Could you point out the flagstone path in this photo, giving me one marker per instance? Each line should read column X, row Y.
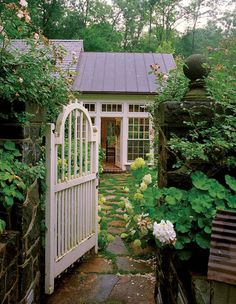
column 117, row 275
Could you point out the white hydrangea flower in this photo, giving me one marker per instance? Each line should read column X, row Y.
column 23, row 3
column 20, row 14
column 164, row 232
column 147, row 179
column 143, row 186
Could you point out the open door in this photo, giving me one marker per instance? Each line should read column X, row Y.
column 111, row 142
column 118, row 143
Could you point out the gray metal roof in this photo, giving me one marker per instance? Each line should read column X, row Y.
column 69, row 45
column 119, row 72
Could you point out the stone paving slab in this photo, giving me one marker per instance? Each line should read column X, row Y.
column 84, row 289
column 117, row 247
column 95, row 264
column 128, row 264
column 116, row 230
column 135, row 289
column 117, row 223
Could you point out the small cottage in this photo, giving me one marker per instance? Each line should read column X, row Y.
column 116, row 88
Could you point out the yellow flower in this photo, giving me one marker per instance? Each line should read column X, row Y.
column 101, row 199
column 138, row 196
column 137, row 243
column 138, row 163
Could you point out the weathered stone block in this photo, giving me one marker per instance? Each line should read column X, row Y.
column 2, row 286
column 13, row 295
column 12, row 275
column 11, row 239
column 26, row 277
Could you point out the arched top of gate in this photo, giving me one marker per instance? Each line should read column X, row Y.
column 61, row 120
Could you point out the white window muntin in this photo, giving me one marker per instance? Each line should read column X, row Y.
column 112, row 107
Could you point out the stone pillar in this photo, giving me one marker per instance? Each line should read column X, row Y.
column 9, row 272
column 172, row 117
column 26, row 216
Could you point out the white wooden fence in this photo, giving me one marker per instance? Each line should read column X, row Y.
column 71, row 199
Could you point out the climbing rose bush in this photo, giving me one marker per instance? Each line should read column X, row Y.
column 164, row 232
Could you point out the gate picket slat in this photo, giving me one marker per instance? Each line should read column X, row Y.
column 72, row 217
column 63, row 226
column 57, row 222
column 63, row 160
column 71, row 202
column 69, row 146
column 86, row 147
column 81, row 143
column 75, row 142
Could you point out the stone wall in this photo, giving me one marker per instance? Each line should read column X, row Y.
column 176, row 282
column 29, row 263
column 9, row 271
column 177, row 285
column 25, row 218
column 171, row 118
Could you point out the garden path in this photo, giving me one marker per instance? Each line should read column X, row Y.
column 118, row 274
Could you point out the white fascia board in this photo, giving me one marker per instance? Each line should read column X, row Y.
column 115, row 98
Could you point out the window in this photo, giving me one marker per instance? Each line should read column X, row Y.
column 90, row 107
column 138, row 138
column 107, row 107
column 137, row 108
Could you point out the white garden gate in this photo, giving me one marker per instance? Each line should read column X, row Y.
column 71, row 200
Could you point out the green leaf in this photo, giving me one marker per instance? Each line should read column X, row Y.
column 203, row 240
column 9, row 201
column 216, row 190
column 176, row 193
column 9, row 145
column 200, row 180
column 170, row 200
column 231, row 200
column 207, row 229
column 185, row 255
column 2, row 226
column 231, row 182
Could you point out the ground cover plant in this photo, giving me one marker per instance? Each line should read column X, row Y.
column 190, row 211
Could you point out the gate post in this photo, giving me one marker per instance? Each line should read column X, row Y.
column 95, row 157
column 50, row 210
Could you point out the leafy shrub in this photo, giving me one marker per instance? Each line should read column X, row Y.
column 15, row 176
column 192, row 211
